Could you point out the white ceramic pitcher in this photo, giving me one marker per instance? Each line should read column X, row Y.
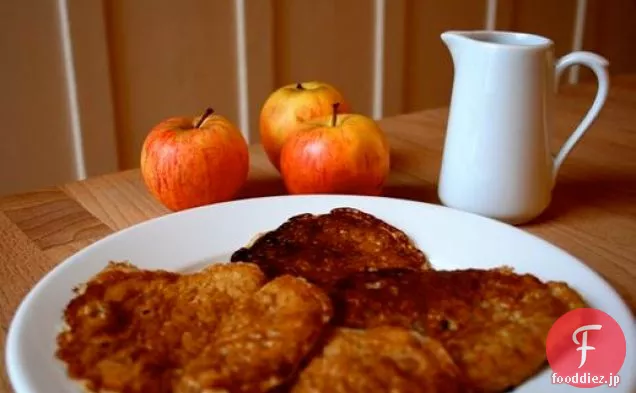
column 497, row 161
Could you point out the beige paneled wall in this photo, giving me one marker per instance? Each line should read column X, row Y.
column 127, row 64
column 35, row 147
column 611, row 31
column 290, row 41
column 91, row 73
column 260, row 57
column 553, row 19
column 329, row 40
column 168, row 58
column 428, row 72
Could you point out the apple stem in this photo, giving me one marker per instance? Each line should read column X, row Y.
column 300, row 86
column 205, row 115
column 334, row 116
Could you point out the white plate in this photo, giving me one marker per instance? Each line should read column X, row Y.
column 187, row 240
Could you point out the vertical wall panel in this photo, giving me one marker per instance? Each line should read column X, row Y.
column 35, row 144
column 611, row 31
column 490, row 20
column 379, row 24
column 260, row 58
column 93, row 85
column 71, row 89
column 169, row 58
column 553, row 19
column 240, row 50
column 428, row 72
column 578, row 33
column 394, row 57
column 330, row 40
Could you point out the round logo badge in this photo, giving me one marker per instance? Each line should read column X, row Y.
column 586, row 348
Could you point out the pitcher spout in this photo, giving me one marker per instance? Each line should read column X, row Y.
column 453, row 39
column 455, row 42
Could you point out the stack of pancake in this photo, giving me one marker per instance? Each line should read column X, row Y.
column 338, row 302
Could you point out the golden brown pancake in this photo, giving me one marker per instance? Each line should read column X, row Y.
column 222, row 329
column 493, row 323
column 381, row 359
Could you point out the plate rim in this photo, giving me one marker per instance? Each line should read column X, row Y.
column 11, row 342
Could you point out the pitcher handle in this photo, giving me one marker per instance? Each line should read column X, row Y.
column 598, row 64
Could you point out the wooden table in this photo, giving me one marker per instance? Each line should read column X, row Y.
column 593, row 214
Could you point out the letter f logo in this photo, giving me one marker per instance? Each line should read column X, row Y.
column 584, row 347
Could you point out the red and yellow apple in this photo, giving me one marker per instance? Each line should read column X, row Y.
column 290, row 105
column 188, row 162
column 337, row 154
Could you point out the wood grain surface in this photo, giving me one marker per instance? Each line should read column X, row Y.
column 592, row 216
